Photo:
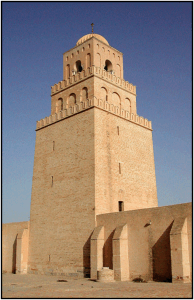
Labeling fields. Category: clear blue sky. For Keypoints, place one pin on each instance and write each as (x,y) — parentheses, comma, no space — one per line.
(156,41)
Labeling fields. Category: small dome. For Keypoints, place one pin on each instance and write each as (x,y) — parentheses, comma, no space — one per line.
(88,36)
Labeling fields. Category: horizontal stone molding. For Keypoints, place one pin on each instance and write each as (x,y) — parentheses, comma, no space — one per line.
(89,103)
(97,71)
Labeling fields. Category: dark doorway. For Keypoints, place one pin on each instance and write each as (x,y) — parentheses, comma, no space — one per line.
(162,258)
(14,256)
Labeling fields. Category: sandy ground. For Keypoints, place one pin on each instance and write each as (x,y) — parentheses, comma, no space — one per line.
(42,286)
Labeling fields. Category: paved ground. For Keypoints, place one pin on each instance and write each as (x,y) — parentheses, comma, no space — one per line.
(41,286)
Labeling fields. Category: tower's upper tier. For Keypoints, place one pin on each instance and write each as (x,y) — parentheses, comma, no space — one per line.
(88,36)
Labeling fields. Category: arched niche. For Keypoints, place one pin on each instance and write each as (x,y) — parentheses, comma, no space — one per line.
(68,71)
(103,94)
(118,71)
(116,100)
(84,94)
(127,104)
(88,60)
(98,60)
(59,105)
(71,100)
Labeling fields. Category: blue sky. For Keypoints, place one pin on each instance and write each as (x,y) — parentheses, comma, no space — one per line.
(156,41)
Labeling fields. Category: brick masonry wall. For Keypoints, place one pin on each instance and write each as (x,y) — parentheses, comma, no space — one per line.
(131,146)
(9,243)
(149,245)
(62,212)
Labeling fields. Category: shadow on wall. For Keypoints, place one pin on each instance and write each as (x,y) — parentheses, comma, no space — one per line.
(86,258)
(108,252)
(14,256)
(162,258)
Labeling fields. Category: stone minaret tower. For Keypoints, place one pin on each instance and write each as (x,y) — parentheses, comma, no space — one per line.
(93,155)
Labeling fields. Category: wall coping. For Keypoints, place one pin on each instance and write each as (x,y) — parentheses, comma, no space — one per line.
(89,72)
(94,102)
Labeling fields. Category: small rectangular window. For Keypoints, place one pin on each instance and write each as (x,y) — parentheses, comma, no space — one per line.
(118,130)
(51,180)
(121,206)
(53,145)
(119,168)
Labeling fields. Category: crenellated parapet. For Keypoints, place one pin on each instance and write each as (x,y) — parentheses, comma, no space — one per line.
(94,102)
(91,71)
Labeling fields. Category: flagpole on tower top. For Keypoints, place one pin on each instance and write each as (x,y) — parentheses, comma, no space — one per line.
(92,27)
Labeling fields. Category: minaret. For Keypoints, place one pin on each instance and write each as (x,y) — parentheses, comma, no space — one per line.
(93,155)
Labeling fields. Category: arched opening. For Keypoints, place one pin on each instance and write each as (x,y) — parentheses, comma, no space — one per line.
(108,65)
(78,66)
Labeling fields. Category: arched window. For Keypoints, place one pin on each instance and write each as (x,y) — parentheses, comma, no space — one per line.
(78,66)
(88,60)
(71,100)
(108,65)
(84,94)
(127,104)
(116,100)
(103,94)
(68,71)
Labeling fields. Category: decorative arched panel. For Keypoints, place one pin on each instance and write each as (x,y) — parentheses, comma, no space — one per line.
(59,105)
(127,105)
(103,94)
(88,60)
(116,100)
(68,71)
(118,71)
(71,100)
(98,60)
(84,94)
